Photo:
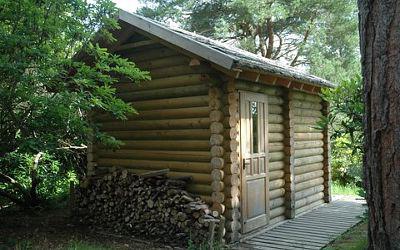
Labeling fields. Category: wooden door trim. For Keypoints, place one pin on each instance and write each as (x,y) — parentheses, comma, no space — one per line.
(245,95)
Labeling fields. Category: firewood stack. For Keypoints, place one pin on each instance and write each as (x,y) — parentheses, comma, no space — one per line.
(147,206)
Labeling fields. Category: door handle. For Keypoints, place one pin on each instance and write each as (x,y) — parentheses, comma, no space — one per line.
(245,163)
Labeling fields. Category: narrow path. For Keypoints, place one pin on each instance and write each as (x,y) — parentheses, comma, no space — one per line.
(312,230)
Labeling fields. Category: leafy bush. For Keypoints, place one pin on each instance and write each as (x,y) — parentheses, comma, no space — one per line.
(47,90)
(346,124)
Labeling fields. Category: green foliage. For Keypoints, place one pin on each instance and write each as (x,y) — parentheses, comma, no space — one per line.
(348,189)
(47,91)
(321,36)
(346,123)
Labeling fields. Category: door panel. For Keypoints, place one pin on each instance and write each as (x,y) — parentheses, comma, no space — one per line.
(254,155)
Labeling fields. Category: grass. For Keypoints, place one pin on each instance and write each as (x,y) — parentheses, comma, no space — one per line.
(350,189)
(354,239)
(81,245)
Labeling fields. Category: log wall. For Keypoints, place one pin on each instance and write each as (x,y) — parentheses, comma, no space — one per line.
(175,122)
(232,166)
(308,151)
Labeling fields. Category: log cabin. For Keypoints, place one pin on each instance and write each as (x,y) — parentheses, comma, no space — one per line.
(242,126)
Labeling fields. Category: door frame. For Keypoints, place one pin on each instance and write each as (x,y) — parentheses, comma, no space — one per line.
(259,97)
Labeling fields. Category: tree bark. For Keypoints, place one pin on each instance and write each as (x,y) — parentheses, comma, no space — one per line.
(380,52)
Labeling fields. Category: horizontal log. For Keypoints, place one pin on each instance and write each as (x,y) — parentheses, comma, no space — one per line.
(179,70)
(257,87)
(182,134)
(277,212)
(232,226)
(231,191)
(308,160)
(308,144)
(279,183)
(278,174)
(189,145)
(170,103)
(275,100)
(275,128)
(199,189)
(232,214)
(231,168)
(216,139)
(308,136)
(280,192)
(196,177)
(308,168)
(309,200)
(275,137)
(276,165)
(276,146)
(167,82)
(164,62)
(275,109)
(307,105)
(216,116)
(217,186)
(231,110)
(206,198)
(195,167)
(308,207)
(217,174)
(232,202)
(306,120)
(277,220)
(187,123)
(275,119)
(306,129)
(217,207)
(217,163)
(309,191)
(216,128)
(193,112)
(308,152)
(231,133)
(134,45)
(277,202)
(307,112)
(150,54)
(231,179)
(164,93)
(308,176)
(231,157)
(309,184)
(217,151)
(231,145)
(276,156)
(196,156)
(306,97)
(218,197)
(230,122)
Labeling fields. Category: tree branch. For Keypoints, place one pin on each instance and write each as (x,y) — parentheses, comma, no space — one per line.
(270,29)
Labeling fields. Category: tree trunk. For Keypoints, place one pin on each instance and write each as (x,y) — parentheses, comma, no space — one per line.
(380,51)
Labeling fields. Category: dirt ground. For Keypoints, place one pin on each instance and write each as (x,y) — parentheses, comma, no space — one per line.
(56,230)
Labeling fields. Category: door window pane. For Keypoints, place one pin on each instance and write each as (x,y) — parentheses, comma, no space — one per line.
(254,109)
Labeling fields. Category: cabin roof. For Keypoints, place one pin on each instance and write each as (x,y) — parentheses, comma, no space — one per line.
(226,56)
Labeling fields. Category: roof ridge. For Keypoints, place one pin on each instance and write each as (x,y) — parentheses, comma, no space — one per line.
(225,55)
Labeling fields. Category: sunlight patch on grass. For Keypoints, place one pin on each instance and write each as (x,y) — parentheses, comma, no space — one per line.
(350,189)
(80,245)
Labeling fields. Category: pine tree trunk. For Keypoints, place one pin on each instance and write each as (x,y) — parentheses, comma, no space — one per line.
(380,51)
